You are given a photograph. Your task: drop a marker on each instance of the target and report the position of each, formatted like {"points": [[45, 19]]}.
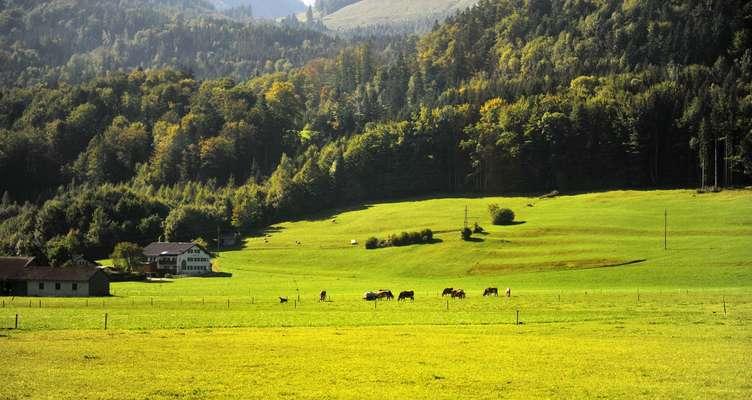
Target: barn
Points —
{"points": [[19, 276]]}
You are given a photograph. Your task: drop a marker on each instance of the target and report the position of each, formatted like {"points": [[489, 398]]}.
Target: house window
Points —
{"points": [[41, 285], [57, 285], [74, 286]]}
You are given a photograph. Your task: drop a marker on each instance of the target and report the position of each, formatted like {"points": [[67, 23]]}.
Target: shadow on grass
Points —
{"points": [[624, 263], [513, 223], [475, 240], [216, 275]]}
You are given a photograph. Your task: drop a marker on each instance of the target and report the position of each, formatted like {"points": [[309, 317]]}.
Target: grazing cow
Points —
{"points": [[492, 291], [407, 294], [447, 291], [385, 294], [282, 300], [370, 296], [509, 292], [458, 294], [322, 295]]}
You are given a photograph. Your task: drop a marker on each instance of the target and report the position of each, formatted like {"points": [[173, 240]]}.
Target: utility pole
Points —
{"points": [[665, 229], [715, 161]]}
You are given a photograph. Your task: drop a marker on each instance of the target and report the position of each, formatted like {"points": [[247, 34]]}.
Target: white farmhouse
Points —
{"points": [[178, 258]]}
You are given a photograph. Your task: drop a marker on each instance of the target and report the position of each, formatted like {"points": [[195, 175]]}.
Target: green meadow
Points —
{"points": [[599, 309]]}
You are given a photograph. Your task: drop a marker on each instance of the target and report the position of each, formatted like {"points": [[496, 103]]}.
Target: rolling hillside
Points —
{"points": [[393, 13], [264, 8]]}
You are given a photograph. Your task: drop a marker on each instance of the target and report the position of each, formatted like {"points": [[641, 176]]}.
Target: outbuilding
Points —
{"points": [[19, 276]]}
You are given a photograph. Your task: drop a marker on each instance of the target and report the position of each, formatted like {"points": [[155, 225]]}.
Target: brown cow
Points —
{"points": [[458, 294], [492, 291], [447, 291], [407, 294], [384, 294], [322, 295]]}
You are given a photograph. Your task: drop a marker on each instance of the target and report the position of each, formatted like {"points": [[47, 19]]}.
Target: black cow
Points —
{"points": [[492, 291], [408, 294]]}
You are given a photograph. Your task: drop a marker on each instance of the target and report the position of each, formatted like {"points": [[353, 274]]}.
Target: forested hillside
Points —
{"points": [[509, 96], [75, 41]]}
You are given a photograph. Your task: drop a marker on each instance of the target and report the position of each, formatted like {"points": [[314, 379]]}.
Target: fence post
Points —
{"points": [[105, 321], [447, 304], [518, 317], [40, 303], [724, 306], [228, 303], [16, 322]]}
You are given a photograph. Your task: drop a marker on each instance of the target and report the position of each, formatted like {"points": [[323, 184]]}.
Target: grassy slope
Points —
{"points": [[656, 329], [388, 12], [561, 244]]}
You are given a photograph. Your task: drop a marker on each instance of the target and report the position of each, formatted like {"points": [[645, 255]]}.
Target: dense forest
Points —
{"points": [[47, 42], [508, 96]]}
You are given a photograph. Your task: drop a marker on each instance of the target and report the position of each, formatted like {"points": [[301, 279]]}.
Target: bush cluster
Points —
{"points": [[401, 239], [500, 216]]}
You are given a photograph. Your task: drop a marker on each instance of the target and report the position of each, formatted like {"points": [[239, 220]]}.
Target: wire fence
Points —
{"points": [[266, 311]]}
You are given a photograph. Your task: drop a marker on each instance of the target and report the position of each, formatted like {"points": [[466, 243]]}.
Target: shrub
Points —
{"points": [[426, 235], [503, 216], [401, 239], [466, 233]]}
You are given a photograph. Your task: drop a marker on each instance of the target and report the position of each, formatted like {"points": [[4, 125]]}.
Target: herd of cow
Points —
{"points": [[410, 294]]}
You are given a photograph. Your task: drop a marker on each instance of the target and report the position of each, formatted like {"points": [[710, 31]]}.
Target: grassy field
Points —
{"points": [[390, 12], [604, 310]]}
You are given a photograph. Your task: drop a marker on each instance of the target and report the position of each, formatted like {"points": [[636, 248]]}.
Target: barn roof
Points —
{"points": [[72, 273], [167, 248], [10, 267], [22, 268]]}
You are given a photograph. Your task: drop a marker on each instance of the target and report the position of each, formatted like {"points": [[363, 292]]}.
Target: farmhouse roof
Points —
{"points": [[167, 248], [10, 267]]}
